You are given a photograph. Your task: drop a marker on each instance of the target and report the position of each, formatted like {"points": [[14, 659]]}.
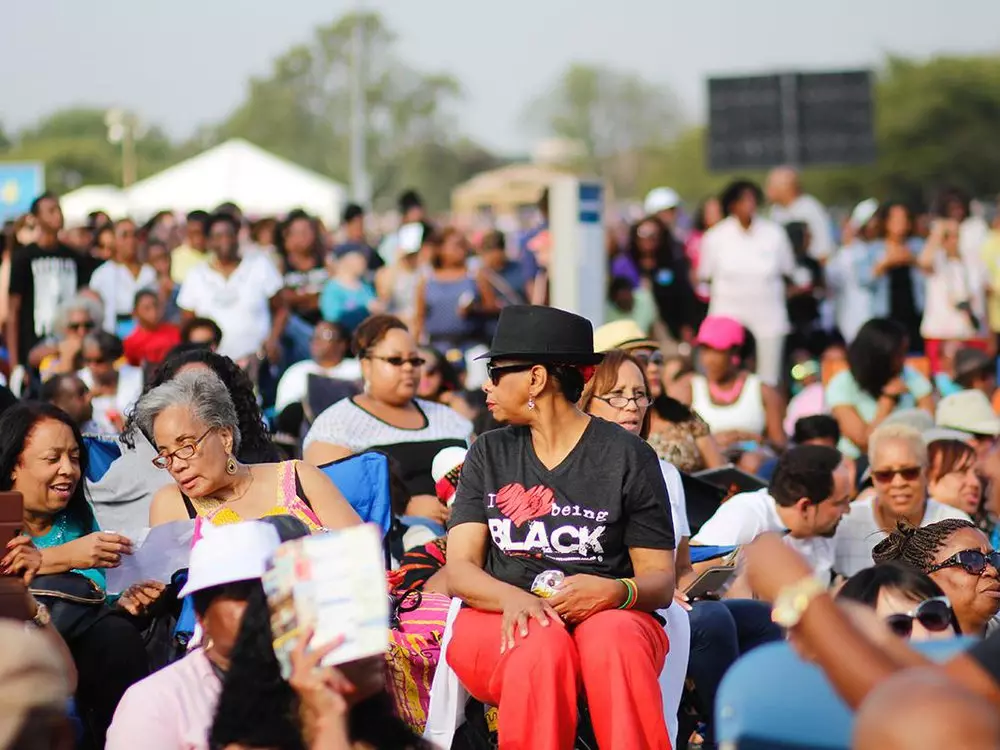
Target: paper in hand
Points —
{"points": [[157, 554]]}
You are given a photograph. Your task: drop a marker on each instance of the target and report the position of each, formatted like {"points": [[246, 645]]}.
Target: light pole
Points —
{"points": [[360, 187], [124, 127]]}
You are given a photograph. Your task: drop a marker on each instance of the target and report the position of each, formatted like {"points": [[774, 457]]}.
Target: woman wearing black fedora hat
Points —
{"points": [[583, 502]]}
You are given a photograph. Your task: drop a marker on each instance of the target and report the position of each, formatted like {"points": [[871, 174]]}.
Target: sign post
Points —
{"points": [[578, 262], [20, 184]]}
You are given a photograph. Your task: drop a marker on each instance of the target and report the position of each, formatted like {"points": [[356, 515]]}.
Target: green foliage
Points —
{"points": [[616, 117], [302, 112]]}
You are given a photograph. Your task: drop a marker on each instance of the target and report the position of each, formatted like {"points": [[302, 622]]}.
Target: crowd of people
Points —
{"points": [[782, 428]]}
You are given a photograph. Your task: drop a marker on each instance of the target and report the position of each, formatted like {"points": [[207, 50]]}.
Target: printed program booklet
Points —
{"points": [[334, 583]]}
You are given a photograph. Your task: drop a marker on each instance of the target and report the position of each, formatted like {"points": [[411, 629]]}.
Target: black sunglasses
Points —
{"points": [[85, 325], [495, 372], [400, 361], [884, 476], [972, 561], [934, 614]]}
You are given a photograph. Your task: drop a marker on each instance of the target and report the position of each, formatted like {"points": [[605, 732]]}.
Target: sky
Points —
{"points": [[185, 63]]}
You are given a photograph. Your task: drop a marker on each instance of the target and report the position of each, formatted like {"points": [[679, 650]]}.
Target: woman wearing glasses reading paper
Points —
{"points": [[561, 547], [192, 424], [389, 416]]}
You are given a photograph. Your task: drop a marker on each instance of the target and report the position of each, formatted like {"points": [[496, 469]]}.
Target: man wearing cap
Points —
{"points": [[663, 202], [173, 709], [970, 416], [36, 689], [852, 300]]}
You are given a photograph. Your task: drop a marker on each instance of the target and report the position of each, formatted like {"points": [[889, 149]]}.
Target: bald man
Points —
{"points": [[789, 204], [924, 708]]}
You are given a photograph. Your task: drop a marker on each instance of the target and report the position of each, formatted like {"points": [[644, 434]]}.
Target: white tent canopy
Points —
{"points": [[259, 182], [81, 202]]}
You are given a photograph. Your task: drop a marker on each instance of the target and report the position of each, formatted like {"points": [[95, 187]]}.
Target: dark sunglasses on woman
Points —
{"points": [[972, 560], [934, 615], [884, 476]]}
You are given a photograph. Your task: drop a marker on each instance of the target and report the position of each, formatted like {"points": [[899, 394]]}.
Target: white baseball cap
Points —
{"points": [[968, 411], [661, 199], [226, 554], [863, 212]]}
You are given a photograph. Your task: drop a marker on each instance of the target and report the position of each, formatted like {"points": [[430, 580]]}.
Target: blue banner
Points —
{"points": [[20, 184]]}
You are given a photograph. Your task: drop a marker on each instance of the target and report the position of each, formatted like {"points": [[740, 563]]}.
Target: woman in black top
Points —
{"points": [[558, 491]]}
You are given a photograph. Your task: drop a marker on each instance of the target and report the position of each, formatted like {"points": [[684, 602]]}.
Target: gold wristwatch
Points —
{"points": [[793, 601]]}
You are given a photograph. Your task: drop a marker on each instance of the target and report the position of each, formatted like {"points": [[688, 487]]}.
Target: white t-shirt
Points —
{"points": [[807, 209], [859, 532], [294, 384], [117, 287], [746, 516], [678, 502], [240, 305], [953, 280], [746, 269], [130, 383]]}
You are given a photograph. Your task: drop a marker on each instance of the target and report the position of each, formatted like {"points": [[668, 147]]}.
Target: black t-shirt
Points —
{"points": [[803, 308], [45, 278], [310, 282], [582, 517]]}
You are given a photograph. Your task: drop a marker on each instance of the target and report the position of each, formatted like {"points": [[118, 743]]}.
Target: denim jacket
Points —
{"points": [[879, 285]]}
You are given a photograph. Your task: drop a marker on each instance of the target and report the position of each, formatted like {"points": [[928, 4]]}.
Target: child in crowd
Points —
{"points": [[347, 298], [152, 338]]}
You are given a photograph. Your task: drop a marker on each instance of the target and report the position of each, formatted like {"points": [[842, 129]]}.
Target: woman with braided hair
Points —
{"points": [[958, 558]]}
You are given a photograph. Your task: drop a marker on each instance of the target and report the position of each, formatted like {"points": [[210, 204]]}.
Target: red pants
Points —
{"points": [[616, 655]]}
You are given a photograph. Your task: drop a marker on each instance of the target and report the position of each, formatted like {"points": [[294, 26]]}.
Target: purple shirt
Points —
{"points": [[171, 709]]}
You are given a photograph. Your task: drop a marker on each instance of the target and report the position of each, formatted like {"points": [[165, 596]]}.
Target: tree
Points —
{"points": [[615, 116], [302, 109], [73, 144]]}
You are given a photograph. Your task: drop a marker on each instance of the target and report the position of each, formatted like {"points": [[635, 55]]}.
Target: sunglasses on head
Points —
{"points": [[495, 372], [934, 615], [908, 473], [973, 561]]}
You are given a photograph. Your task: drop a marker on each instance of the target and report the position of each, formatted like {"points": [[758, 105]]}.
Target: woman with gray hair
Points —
{"points": [[193, 426], [897, 459], [62, 353]]}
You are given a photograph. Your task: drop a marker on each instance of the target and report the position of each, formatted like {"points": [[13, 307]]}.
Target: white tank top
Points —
{"points": [[745, 414]]}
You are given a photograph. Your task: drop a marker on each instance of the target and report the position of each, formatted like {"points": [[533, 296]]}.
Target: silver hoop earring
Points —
{"points": [[531, 403], [231, 466]]}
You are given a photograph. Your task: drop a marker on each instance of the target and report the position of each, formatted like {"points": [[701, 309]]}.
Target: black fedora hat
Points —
{"points": [[544, 335]]}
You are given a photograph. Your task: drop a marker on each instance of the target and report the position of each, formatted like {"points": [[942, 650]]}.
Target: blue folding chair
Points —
{"points": [[771, 699], [704, 552], [363, 479]]}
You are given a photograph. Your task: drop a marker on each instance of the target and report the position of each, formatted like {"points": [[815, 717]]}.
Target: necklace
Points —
{"points": [[234, 498]]}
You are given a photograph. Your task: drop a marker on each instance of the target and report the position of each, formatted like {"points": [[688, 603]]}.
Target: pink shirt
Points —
{"points": [[171, 709]]}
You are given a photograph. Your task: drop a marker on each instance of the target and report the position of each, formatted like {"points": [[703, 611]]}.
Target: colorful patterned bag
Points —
{"points": [[418, 624]]}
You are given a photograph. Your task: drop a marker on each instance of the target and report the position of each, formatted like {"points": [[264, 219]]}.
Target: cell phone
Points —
{"points": [[13, 599], [11, 517], [712, 581]]}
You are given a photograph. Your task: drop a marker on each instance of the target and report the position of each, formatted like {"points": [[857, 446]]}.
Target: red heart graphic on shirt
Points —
{"points": [[521, 505]]}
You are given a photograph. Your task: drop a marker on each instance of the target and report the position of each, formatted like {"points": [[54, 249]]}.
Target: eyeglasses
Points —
{"points": [[95, 360], [933, 614], [620, 402], [495, 372], [908, 473], [86, 325], [184, 453], [973, 561], [651, 358], [399, 361]]}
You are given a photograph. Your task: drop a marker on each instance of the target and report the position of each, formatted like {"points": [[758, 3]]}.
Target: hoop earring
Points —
{"points": [[531, 403], [231, 466]]}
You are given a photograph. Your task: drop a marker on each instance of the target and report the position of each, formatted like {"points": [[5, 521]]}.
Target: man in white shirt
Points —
{"points": [[789, 203], [328, 348], [808, 495], [241, 294]]}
